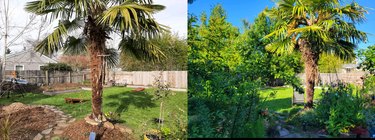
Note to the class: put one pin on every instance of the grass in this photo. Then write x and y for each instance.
(136, 109)
(282, 101)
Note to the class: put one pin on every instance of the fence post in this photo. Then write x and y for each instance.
(83, 77)
(47, 78)
(70, 77)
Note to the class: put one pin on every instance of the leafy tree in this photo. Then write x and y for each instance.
(132, 19)
(222, 101)
(314, 27)
(174, 48)
(367, 57)
(329, 63)
(258, 63)
(78, 62)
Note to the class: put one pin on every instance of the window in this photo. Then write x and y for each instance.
(19, 67)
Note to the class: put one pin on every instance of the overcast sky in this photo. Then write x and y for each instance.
(174, 16)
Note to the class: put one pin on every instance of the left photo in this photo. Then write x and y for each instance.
(90, 69)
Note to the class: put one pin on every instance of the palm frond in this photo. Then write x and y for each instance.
(57, 8)
(55, 41)
(113, 57)
(125, 15)
(286, 46)
(141, 48)
(75, 46)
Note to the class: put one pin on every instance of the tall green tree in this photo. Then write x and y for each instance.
(367, 57)
(313, 27)
(96, 19)
(257, 63)
(175, 49)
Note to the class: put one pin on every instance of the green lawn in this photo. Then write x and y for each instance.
(137, 110)
(283, 98)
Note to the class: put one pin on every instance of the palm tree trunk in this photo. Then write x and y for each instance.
(310, 58)
(96, 49)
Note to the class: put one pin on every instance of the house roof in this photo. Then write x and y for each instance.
(350, 66)
(29, 56)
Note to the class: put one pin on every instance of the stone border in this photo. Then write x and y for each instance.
(56, 128)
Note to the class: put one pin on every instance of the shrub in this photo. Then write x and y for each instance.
(340, 109)
(233, 111)
(306, 119)
(56, 67)
(6, 125)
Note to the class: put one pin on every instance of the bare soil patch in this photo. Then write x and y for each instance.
(27, 121)
(62, 87)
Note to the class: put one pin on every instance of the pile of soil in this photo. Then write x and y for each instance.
(80, 130)
(27, 121)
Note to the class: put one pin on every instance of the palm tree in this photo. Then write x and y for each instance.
(96, 20)
(313, 27)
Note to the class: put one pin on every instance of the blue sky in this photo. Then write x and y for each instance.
(249, 9)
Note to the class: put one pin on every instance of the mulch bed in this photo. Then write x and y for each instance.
(28, 121)
(80, 130)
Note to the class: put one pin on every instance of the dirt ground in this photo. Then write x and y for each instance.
(80, 130)
(61, 87)
(27, 121)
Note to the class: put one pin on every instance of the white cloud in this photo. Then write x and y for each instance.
(174, 16)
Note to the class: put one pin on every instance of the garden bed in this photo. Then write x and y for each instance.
(61, 87)
(27, 121)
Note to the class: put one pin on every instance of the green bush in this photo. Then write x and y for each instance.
(306, 118)
(230, 112)
(56, 67)
(340, 109)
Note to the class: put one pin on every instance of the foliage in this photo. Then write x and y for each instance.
(306, 119)
(329, 63)
(113, 116)
(340, 109)
(56, 67)
(77, 62)
(161, 89)
(367, 57)
(179, 130)
(271, 69)
(370, 120)
(6, 125)
(369, 84)
(174, 48)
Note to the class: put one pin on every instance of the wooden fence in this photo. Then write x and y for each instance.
(52, 77)
(326, 78)
(176, 79)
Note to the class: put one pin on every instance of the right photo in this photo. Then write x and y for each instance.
(281, 69)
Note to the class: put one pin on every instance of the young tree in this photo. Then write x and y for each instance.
(132, 19)
(313, 27)
(367, 57)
